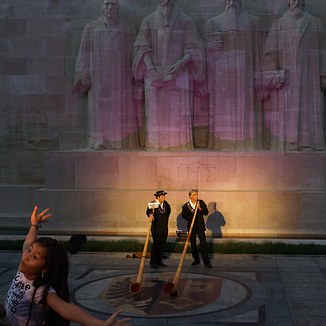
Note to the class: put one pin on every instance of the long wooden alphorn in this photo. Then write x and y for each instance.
(136, 286)
(171, 287)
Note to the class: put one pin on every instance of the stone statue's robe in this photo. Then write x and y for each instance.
(235, 112)
(105, 58)
(296, 47)
(169, 109)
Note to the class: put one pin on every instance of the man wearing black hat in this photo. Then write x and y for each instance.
(160, 220)
(188, 212)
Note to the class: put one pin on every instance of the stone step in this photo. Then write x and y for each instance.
(14, 220)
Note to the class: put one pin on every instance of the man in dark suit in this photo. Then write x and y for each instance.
(188, 211)
(160, 220)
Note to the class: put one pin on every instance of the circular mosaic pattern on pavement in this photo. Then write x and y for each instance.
(220, 295)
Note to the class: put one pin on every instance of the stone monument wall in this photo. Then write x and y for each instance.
(40, 111)
(45, 157)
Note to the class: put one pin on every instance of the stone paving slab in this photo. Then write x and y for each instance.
(248, 290)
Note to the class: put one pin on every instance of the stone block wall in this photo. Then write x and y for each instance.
(39, 41)
(248, 194)
(269, 194)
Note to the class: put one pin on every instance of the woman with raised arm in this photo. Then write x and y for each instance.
(39, 292)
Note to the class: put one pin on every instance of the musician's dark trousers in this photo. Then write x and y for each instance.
(203, 246)
(157, 251)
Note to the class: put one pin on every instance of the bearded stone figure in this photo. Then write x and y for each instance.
(234, 45)
(103, 69)
(295, 74)
(169, 58)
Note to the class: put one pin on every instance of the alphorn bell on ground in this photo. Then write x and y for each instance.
(171, 288)
(136, 286)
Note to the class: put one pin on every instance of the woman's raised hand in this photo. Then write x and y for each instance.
(38, 219)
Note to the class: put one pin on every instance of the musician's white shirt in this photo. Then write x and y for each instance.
(192, 205)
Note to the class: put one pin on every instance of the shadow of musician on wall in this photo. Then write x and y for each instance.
(181, 231)
(181, 223)
(215, 220)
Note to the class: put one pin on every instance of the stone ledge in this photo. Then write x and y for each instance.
(131, 170)
(196, 152)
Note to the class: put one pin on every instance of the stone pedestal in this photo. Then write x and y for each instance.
(260, 194)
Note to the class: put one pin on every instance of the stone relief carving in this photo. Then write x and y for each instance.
(103, 69)
(169, 57)
(169, 63)
(234, 44)
(295, 74)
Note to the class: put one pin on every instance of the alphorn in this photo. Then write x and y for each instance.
(171, 287)
(136, 286)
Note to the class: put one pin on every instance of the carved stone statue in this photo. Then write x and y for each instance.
(295, 74)
(169, 57)
(234, 45)
(103, 68)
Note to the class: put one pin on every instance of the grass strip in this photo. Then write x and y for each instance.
(225, 247)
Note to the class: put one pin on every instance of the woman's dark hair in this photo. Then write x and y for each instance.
(56, 277)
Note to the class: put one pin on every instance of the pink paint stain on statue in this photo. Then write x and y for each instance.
(103, 69)
(169, 58)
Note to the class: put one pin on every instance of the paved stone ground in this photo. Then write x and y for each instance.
(247, 290)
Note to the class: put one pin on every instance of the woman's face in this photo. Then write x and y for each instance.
(33, 261)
